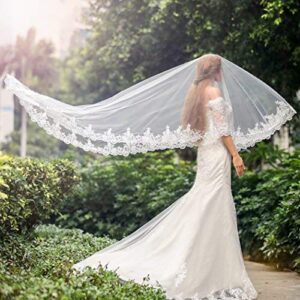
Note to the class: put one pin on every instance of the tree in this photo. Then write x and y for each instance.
(128, 41)
(31, 61)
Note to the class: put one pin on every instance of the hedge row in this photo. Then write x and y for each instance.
(39, 267)
(36, 264)
(268, 209)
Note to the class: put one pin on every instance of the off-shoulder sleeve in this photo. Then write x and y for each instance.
(221, 112)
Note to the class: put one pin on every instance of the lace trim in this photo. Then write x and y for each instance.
(70, 133)
(181, 274)
(221, 113)
(246, 292)
(265, 130)
(109, 143)
(130, 143)
(219, 104)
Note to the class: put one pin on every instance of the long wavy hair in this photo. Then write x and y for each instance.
(194, 108)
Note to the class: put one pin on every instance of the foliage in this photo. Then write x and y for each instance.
(39, 143)
(263, 155)
(118, 195)
(39, 267)
(119, 49)
(128, 41)
(31, 191)
(32, 61)
(268, 208)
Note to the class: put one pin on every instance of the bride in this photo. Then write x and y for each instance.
(191, 249)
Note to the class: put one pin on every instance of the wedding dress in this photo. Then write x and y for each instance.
(191, 249)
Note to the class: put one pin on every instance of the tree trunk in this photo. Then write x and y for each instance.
(23, 132)
(23, 141)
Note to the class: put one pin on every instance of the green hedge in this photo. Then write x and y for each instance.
(31, 190)
(117, 195)
(268, 209)
(39, 268)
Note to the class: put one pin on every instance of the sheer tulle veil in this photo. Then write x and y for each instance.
(163, 111)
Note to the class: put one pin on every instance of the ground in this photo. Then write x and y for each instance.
(272, 284)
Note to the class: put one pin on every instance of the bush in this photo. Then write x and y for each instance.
(31, 190)
(39, 267)
(268, 208)
(117, 195)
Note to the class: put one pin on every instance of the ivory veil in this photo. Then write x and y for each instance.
(147, 115)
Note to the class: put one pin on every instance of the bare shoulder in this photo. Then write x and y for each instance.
(213, 92)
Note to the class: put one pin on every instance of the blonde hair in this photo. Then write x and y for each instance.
(194, 111)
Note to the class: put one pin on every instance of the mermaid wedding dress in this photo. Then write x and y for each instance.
(191, 249)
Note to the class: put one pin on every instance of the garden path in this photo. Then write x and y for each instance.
(272, 284)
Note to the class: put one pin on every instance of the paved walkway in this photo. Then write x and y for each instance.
(272, 284)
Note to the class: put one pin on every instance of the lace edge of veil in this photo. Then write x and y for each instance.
(109, 143)
(169, 139)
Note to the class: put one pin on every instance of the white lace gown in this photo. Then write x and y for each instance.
(191, 249)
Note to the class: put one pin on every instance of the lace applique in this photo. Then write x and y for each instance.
(203, 166)
(263, 130)
(219, 104)
(221, 112)
(181, 274)
(247, 292)
(110, 143)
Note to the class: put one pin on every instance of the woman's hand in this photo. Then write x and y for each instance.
(236, 159)
(238, 164)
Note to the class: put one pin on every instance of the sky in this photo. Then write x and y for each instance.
(53, 19)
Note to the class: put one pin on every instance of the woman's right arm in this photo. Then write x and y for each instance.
(236, 158)
(237, 161)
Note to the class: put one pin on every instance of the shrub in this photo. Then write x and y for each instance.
(31, 190)
(40, 268)
(117, 195)
(268, 208)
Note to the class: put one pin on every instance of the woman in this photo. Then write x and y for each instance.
(192, 248)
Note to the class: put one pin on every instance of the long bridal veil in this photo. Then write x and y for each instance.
(147, 115)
